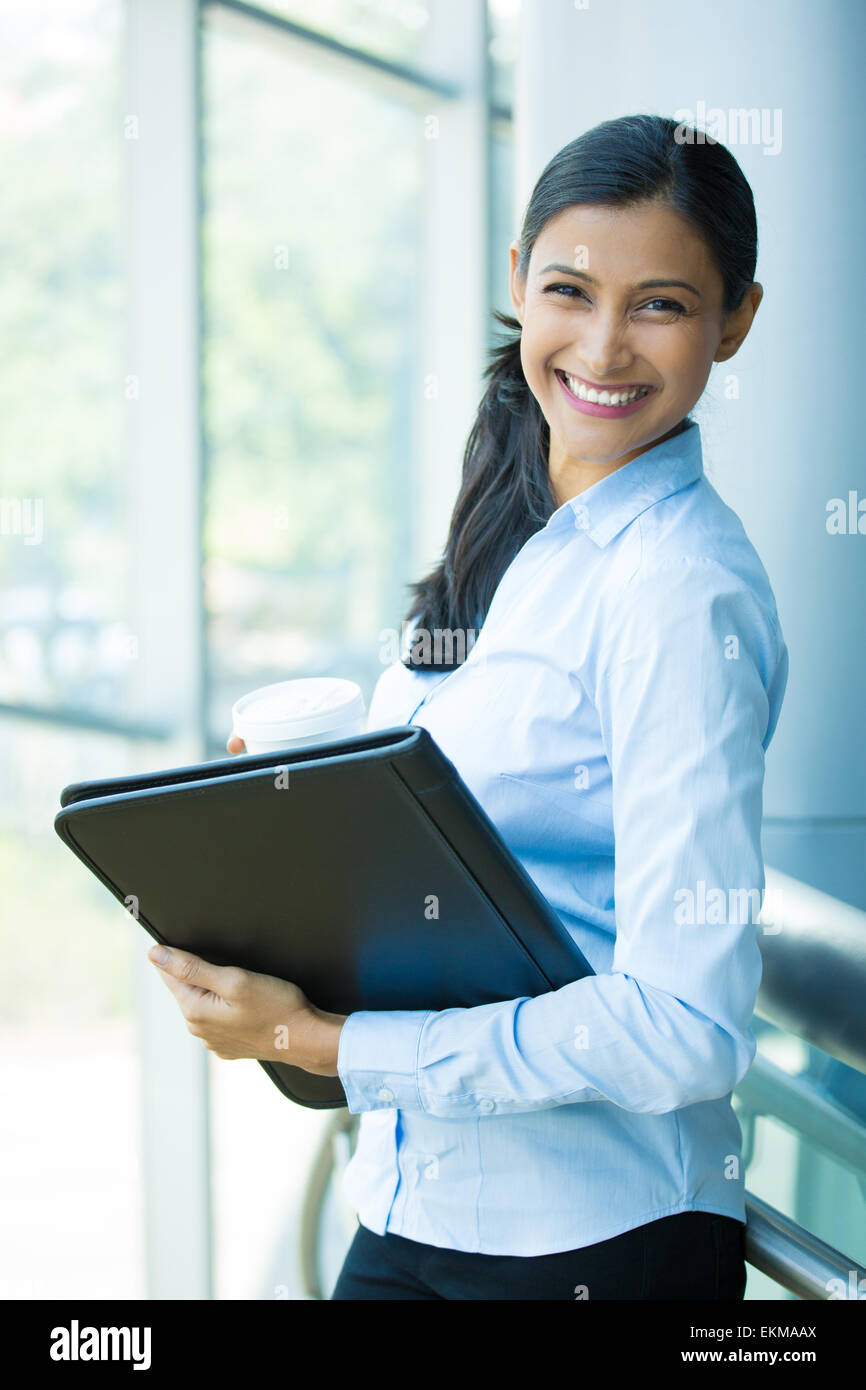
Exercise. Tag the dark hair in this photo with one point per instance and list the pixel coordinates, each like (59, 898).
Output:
(505, 495)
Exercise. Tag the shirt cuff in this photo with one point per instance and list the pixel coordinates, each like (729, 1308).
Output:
(377, 1059)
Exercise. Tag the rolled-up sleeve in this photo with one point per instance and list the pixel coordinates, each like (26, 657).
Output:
(680, 688)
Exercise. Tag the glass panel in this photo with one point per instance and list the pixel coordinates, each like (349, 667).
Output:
(70, 1161)
(64, 532)
(794, 1173)
(311, 377)
(312, 383)
(70, 1178)
(502, 19)
(502, 226)
(261, 1144)
(393, 29)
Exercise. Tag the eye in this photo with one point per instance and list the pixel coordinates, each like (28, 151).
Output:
(670, 306)
(557, 289)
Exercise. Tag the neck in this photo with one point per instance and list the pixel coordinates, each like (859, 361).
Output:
(570, 476)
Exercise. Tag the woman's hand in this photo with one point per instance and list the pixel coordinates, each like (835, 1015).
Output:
(239, 1013)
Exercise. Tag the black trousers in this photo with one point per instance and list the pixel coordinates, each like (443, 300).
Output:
(692, 1255)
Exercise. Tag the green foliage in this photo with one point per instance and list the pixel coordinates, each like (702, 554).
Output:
(61, 301)
(312, 191)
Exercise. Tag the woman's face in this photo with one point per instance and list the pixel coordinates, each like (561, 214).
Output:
(587, 312)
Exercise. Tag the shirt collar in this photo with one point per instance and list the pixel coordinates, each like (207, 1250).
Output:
(606, 508)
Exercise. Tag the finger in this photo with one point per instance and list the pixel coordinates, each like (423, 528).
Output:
(188, 969)
(185, 995)
(235, 744)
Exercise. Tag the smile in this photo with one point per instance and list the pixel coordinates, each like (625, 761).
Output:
(612, 402)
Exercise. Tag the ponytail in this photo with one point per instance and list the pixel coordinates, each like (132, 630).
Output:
(504, 498)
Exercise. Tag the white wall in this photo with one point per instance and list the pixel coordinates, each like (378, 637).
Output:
(793, 439)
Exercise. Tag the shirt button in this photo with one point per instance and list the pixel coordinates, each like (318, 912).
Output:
(486, 1106)
(386, 1095)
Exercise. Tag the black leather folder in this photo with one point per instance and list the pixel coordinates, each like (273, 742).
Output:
(362, 869)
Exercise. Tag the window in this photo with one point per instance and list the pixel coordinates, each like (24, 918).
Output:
(346, 210)
(67, 1032)
(64, 528)
(311, 270)
(328, 243)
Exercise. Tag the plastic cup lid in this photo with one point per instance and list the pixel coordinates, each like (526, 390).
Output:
(298, 708)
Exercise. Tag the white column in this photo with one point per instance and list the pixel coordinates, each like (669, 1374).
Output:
(161, 370)
(793, 439)
(453, 274)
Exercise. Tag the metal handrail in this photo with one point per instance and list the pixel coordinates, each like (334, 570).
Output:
(803, 1105)
(797, 1259)
(786, 1252)
(813, 948)
(814, 959)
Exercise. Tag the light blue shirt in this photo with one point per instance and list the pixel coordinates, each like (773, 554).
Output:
(612, 720)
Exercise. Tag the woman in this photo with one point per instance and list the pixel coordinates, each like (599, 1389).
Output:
(612, 718)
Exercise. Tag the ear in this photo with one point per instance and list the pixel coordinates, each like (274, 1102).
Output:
(517, 285)
(738, 323)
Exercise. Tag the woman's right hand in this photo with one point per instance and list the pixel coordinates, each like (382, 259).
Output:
(234, 744)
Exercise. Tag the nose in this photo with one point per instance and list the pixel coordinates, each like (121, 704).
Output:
(602, 345)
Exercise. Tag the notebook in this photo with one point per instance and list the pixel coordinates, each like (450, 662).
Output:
(362, 869)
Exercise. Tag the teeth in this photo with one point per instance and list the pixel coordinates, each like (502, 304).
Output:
(603, 397)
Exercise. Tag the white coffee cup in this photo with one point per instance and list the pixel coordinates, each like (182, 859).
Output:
(295, 713)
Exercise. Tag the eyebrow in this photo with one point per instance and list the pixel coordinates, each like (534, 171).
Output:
(644, 284)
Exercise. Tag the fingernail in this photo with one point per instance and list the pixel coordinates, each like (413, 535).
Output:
(159, 954)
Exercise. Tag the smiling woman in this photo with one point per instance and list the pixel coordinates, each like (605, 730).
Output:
(630, 666)
(628, 210)
(612, 719)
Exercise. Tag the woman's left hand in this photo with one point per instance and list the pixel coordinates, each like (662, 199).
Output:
(239, 1013)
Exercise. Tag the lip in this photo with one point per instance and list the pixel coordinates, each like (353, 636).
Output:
(608, 386)
(610, 412)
